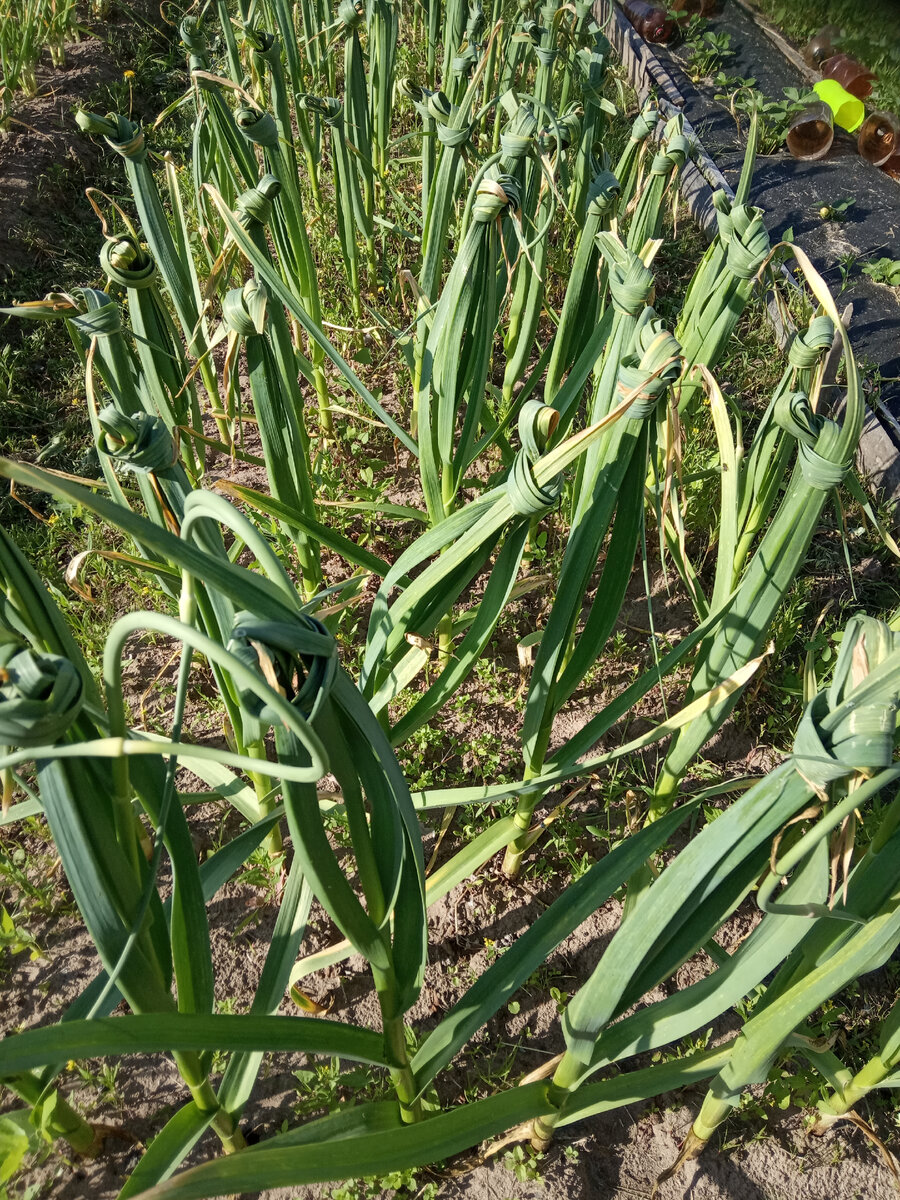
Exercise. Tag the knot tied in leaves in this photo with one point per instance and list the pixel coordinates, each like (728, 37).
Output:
(124, 136)
(651, 369)
(676, 153)
(645, 122)
(807, 345)
(244, 308)
(820, 445)
(40, 696)
(564, 132)
(603, 195)
(297, 659)
(261, 41)
(850, 728)
(126, 264)
(139, 443)
(350, 14)
(258, 127)
(537, 423)
(630, 282)
(450, 122)
(328, 108)
(192, 37)
(256, 203)
(99, 315)
(452, 130)
(495, 198)
(517, 138)
(744, 234)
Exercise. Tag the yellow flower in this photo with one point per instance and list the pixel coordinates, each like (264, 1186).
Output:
(128, 74)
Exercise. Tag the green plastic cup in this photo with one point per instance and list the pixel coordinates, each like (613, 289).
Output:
(849, 113)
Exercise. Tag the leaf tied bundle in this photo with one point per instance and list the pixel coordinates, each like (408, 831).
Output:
(41, 695)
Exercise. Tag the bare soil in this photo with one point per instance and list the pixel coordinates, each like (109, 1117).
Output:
(44, 158)
(616, 1156)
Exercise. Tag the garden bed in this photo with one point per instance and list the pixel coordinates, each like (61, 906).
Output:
(473, 741)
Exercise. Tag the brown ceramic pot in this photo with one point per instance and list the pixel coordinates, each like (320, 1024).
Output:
(811, 132)
(850, 74)
(821, 47)
(879, 137)
(650, 22)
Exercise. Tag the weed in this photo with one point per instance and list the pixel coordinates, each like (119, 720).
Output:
(707, 50)
(884, 270)
(837, 211)
(16, 939)
(524, 1163)
(324, 1085)
(402, 1185)
(774, 116)
(102, 1079)
(846, 263)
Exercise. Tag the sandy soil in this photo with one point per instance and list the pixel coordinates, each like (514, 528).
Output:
(616, 1156)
